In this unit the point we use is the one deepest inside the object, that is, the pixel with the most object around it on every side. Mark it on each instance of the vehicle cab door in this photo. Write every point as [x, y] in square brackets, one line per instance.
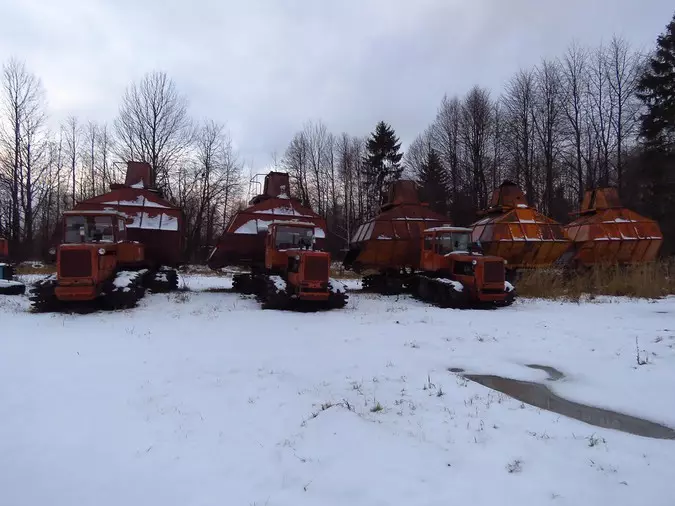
[428, 252]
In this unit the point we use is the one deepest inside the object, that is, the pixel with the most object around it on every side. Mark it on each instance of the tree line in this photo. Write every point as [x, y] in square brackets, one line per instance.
[595, 116]
[44, 171]
[590, 118]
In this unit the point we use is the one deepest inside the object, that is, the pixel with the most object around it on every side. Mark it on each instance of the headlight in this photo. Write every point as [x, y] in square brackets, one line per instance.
[297, 257]
[101, 251]
[506, 261]
[474, 262]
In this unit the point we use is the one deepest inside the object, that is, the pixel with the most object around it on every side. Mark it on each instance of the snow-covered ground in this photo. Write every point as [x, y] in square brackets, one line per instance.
[202, 398]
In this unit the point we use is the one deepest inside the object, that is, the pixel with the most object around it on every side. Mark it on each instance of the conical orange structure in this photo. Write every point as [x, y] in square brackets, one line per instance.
[517, 232]
[607, 233]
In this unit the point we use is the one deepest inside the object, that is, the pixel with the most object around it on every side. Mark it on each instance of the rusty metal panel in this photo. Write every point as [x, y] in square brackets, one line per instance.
[243, 243]
[606, 233]
[316, 268]
[74, 263]
[392, 239]
[517, 232]
[493, 272]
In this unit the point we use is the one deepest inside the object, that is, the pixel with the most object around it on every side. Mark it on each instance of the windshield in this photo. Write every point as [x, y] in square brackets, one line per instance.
[96, 229]
[294, 237]
[456, 241]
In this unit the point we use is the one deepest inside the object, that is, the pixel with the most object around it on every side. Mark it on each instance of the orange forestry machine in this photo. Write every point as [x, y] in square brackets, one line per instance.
[409, 247]
[111, 248]
[279, 242]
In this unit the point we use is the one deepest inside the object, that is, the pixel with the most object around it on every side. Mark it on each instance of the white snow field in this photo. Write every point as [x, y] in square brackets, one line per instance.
[201, 398]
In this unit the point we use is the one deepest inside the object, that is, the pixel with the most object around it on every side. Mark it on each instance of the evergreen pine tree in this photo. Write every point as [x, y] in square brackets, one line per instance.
[653, 177]
[656, 89]
[434, 182]
[382, 163]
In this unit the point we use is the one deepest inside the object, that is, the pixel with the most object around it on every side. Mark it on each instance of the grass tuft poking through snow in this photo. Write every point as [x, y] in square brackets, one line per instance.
[200, 397]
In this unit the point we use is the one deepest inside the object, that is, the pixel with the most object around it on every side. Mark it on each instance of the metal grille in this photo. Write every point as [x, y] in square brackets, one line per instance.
[316, 268]
[493, 272]
[74, 263]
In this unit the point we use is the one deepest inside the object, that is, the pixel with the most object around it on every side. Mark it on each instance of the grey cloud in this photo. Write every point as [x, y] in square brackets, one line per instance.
[264, 67]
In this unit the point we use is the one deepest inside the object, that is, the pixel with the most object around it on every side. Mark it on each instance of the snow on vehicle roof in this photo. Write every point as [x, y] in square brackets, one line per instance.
[141, 201]
[306, 224]
[105, 212]
[283, 211]
[449, 229]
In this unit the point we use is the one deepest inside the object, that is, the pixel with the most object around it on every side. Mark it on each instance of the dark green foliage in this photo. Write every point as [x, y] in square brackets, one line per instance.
[656, 89]
[434, 182]
[652, 178]
[382, 163]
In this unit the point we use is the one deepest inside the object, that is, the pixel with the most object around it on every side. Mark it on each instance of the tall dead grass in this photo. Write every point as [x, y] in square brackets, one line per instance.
[650, 280]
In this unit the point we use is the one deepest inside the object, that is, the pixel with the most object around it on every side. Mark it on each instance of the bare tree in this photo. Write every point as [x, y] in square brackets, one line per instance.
[416, 155]
[476, 128]
[575, 83]
[623, 68]
[22, 102]
[602, 110]
[547, 122]
[519, 103]
[72, 133]
[296, 162]
[445, 132]
[153, 126]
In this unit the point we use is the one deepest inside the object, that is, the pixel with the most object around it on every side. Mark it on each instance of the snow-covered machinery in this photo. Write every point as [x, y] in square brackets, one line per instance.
[409, 247]
[386, 248]
[607, 233]
[453, 274]
[8, 285]
[517, 232]
[114, 246]
[279, 242]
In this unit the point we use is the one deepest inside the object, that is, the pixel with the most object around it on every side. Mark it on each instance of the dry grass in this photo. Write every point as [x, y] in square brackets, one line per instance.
[652, 280]
[35, 268]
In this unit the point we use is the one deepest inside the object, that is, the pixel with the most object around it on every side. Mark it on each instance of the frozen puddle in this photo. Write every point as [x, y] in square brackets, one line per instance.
[553, 373]
[540, 396]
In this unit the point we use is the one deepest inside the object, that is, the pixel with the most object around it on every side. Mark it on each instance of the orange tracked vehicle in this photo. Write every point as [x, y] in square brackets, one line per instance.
[605, 232]
[517, 232]
[409, 247]
[111, 248]
[279, 242]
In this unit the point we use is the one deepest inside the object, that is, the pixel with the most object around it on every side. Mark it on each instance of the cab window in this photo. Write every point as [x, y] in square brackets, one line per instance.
[428, 242]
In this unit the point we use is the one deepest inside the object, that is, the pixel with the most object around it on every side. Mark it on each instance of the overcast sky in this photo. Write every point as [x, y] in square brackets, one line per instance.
[264, 67]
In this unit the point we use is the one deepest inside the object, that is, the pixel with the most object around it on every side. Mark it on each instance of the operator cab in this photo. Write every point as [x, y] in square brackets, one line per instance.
[94, 227]
[449, 240]
[292, 235]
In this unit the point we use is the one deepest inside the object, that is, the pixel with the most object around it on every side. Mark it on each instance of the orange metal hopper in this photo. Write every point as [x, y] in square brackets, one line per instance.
[607, 233]
[391, 240]
[517, 232]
